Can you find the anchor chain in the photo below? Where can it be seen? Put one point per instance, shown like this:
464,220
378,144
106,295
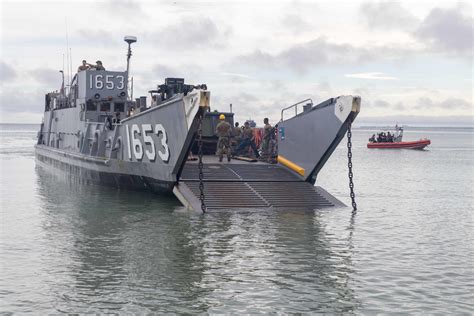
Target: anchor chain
349,165
200,165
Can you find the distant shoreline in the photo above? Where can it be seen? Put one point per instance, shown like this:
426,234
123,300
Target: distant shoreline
357,125
412,125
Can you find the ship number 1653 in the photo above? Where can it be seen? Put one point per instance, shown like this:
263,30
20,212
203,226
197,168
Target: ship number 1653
147,147
106,81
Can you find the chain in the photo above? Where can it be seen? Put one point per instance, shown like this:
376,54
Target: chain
349,165
200,165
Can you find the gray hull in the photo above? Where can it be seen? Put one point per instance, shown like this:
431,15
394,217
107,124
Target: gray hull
145,151
98,171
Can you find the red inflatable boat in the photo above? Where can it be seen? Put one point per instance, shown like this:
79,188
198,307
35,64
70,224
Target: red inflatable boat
419,144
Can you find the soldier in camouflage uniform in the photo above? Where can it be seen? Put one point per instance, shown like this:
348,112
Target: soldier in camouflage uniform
224,131
236,136
267,137
247,140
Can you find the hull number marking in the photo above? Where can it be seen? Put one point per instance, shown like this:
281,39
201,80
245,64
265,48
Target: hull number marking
147,146
100,81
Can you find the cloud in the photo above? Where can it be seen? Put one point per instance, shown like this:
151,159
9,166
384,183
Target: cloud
399,106
237,78
323,86
127,8
245,105
233,74
192,32
102,37
47,77
370,75
295,18
387,15
7,72
302,57
13,100
247,97
257,58
416,119
296,23
164,71
381,104
144,80
448,104
425,104
448,30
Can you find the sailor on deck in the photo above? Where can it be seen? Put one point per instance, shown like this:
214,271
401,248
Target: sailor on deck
98,66
84,66
224,131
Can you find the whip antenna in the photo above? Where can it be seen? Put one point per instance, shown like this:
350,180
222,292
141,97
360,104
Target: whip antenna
67,54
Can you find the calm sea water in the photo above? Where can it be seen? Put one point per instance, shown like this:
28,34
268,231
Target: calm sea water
70,248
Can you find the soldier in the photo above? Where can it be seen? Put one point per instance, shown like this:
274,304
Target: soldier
84,66
247,140
237,135
98,65
223,130
267,137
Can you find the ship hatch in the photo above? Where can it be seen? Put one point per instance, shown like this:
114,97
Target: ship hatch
240,184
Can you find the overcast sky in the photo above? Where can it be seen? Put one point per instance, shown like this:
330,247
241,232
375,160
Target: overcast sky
402,58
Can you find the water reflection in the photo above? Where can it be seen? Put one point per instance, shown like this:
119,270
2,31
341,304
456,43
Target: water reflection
133,252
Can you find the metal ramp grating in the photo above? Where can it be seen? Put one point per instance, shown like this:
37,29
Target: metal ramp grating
238,172
251,186
210,171
228,195
294,195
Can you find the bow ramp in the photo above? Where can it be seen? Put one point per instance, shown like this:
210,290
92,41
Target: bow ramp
305,142
241,184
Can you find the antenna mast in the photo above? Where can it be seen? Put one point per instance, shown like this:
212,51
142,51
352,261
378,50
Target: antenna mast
130,40
70,64
62,75
67,54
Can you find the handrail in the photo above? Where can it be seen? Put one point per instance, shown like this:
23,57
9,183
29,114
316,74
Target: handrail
296,107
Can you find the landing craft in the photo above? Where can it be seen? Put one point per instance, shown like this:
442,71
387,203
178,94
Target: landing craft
98,134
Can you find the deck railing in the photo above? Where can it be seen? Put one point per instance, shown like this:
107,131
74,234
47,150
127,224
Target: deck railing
295,106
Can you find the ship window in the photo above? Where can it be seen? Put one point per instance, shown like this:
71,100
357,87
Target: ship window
119,107
105,107
91,106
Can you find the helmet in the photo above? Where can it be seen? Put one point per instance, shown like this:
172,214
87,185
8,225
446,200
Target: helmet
222,117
